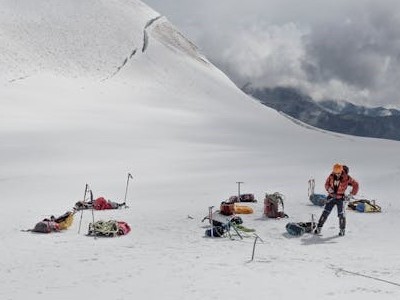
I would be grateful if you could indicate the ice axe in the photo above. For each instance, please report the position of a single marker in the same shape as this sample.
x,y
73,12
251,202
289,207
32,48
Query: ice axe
x,y
254,245
126,189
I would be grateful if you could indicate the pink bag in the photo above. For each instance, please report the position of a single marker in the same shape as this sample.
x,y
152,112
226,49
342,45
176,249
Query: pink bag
x,y
123,228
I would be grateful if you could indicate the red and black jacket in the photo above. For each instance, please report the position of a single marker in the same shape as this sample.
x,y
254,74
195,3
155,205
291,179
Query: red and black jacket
x,y
339,185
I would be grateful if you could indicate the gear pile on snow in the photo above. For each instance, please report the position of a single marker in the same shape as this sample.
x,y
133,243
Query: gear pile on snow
x,y
55,224
109,228
223,225
100,228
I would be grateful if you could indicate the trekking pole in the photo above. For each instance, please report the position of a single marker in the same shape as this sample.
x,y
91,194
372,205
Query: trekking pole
x,y
84,199
91,200
239,183
254,245
126,189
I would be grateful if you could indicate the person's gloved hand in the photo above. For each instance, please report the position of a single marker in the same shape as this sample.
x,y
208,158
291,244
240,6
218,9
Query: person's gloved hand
x,y
331,191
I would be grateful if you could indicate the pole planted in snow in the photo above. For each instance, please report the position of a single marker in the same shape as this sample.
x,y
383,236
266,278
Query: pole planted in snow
x,y
94,227
239,183
254,245
84,199
127,183
210,216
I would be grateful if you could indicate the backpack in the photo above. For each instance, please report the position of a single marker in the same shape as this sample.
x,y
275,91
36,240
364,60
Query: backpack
x,y
46,226
272,204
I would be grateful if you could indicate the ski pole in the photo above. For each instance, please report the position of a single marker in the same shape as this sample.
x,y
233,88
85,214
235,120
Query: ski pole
x,y
84,199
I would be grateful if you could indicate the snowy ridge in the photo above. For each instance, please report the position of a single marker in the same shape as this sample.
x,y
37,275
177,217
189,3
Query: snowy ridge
x,y
167,34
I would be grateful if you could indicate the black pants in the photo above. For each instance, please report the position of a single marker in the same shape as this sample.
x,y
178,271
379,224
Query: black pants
x,y
339,203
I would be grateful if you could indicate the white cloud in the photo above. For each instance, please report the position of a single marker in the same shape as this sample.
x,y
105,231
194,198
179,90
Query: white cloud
x,y
329,48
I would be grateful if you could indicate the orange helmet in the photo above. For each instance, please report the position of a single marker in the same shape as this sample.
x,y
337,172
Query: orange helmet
x,y
337,168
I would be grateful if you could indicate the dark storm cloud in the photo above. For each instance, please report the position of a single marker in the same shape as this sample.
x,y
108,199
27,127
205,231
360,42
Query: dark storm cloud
x,y
355,50
333,48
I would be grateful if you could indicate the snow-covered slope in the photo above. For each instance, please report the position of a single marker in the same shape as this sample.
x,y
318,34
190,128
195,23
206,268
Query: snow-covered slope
x,y
73,38
93,90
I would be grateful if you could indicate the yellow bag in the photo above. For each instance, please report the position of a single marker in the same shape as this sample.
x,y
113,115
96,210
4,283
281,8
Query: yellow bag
x,y
66,221
243,209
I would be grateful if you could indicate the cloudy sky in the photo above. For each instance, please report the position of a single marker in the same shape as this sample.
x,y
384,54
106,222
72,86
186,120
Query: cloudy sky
x,y
342,49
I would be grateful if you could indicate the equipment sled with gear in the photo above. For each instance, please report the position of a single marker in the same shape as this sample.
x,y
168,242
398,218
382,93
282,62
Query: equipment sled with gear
x,y
99,204
54,224
364,206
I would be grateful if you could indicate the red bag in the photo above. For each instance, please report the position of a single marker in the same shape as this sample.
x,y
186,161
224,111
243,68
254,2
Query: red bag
x,y
101,204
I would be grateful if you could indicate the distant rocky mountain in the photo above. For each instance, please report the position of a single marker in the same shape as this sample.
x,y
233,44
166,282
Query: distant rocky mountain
x,y
336,116
343,107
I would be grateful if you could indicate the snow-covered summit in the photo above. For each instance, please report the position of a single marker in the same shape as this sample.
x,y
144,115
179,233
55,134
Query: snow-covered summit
x,y
78,38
